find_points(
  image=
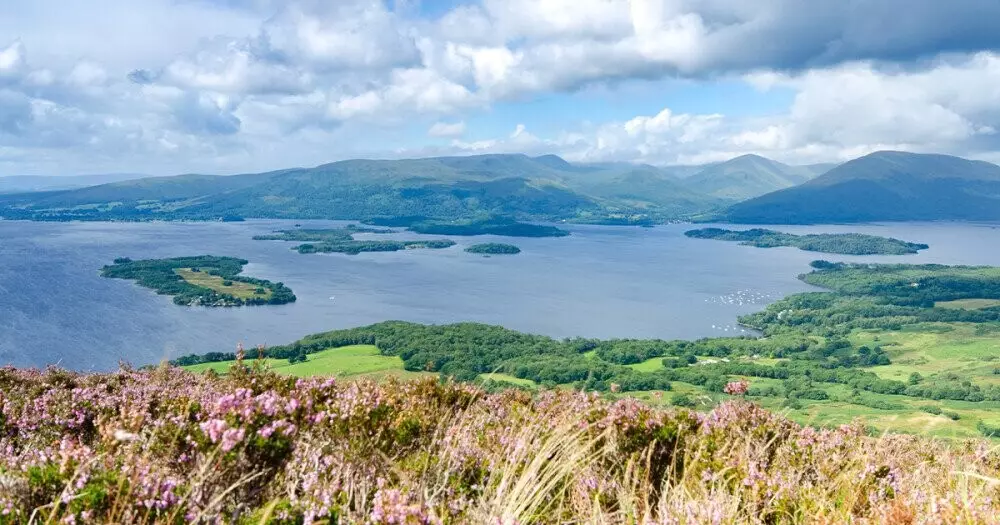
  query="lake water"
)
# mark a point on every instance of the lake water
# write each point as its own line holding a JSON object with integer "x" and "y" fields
{"x": 599, "y": 282}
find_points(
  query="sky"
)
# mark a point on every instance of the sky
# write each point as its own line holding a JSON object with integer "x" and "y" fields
{"x": 235, "y": 86}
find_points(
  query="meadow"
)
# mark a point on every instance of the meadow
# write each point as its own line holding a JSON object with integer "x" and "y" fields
{"x": 346, "y": 361}
{"x": 221, "y": 285}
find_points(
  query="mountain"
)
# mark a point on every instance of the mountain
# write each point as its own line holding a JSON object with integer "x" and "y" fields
{"x": 32, "y": 183}
{"x": 519, "y": 186}
{"x": 883, "y": 186}
{"x": 748, "y": 176}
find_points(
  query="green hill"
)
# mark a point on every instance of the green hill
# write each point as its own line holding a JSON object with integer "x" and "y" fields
{"x": 884, "y": 186}
{"x": 747, "y": 177}
{"x": 518, "y": 186}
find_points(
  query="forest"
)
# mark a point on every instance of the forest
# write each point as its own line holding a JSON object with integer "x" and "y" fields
{"x": 356, "y": 247}
{"x": 320, "y": 234}
{"x": 839, "y": 243}
{"x": 203, "y": 280}
{"x": 820, "y": 347}
{"x": 341, "y": 240}
{"x": 493, "y": 248}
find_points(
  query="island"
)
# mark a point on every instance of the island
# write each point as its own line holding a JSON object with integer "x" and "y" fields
{"x": 493, "y": 248}
{"x": 839, "y": 243}
{"x": 341, "y": 240}
{"x": 500, "y": 226}
{"x": 203, "y": 280}
{"x": 356, "y": 247}
{"x": 320, "y": 235}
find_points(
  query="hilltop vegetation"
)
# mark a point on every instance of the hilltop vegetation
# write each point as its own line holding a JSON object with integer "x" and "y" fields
{"x": 864, "y": 347}
{"x": 842, "y": 243}
{"x": 167, "y": 446}
{"x": 883, "y": 186}
{"x": 201, "y": 281}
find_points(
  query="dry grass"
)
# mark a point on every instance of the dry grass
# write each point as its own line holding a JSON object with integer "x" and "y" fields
{"x": 168, "y": 446}
{"x": 237, "y": 289}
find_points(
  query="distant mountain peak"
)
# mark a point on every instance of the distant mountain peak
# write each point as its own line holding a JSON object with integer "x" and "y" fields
{"x": 747, "y": 176}
{"x": 884, "y": 186}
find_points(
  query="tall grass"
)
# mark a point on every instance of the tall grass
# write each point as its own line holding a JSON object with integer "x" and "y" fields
{"x": 168, "y": 446}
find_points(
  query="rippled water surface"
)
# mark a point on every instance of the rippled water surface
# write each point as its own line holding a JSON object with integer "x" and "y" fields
{"x": 598, "y": 282}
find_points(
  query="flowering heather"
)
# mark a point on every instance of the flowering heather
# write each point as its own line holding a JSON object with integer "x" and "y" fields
{"x": 168, "y": 446}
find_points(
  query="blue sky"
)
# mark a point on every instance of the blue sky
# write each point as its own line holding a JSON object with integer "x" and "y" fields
{"x": 225, "y": 86}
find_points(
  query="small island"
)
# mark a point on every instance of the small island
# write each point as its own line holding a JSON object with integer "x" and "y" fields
{"x": 839, "y": 243}
{"x": 493, "y": 248}
{"x": 356, "y": 247}
{"x": 203, "y": 280}
{"x": 341, "y": 240}
{"x": 466, "y": 228}
{"x": 320, "y": 235}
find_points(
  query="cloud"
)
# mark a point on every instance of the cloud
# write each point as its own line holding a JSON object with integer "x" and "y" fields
{"x": 444, "y": 129}
{"x": 837, "y": 114}
{"x": 235, "y": 85}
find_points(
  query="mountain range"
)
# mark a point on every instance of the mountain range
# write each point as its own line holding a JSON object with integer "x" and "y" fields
{"x": 748, "y": 189}
{"x": 883, "y": 186}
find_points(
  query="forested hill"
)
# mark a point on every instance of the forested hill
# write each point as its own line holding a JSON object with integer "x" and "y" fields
{"x": 545, "y": 188}
{"x": 749, "y": 176}
{"x": 883, "y": 186}
{"x": 517, "y": 186}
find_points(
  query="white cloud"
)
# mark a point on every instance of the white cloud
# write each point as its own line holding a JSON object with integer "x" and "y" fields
{"x": 445, "y": 129}
{"x": 254, "y": 84}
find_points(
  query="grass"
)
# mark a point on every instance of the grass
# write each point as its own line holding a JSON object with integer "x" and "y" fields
{"x": 347, "y": 361}
{"x": 937, "y": 349}
{"x": 649, "y": 365}
{"x": 506, "y": 378}
{"x": 237, "y": 289}
{"x": 167, "y": 446}
{"x": 968, "y": 304}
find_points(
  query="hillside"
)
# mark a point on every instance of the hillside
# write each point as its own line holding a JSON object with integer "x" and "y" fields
{"x": 883, "y": 186}
{"x": 748, "y": 176}
{"x": 32, "y": 183}
{"x": 518, "y": 186}
{"x": 168, "y": 446}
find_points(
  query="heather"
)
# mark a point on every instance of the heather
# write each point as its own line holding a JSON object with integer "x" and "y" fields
{"x": 168, "y": 446}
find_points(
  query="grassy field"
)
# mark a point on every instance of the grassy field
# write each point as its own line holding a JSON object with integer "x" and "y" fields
{"x": 214, "y": 282}
{"x": 968, "y": 304}
{"x": 347, "y": 361}
{"x": 936, "y": 351}
{"x": 933, "y": 350}
{"x": 505, "y": 378}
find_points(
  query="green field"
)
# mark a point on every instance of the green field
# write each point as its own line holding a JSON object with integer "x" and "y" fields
{"x": 968, "y": 304}
{"x": 505, "y": 378}
{"x": 935, "y": 350}
{"x": 347, "y": 361}
{"x": 214, "y": 282}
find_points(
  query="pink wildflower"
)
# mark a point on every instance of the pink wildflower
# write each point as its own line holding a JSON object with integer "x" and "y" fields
{"x": 737, "y": 388}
